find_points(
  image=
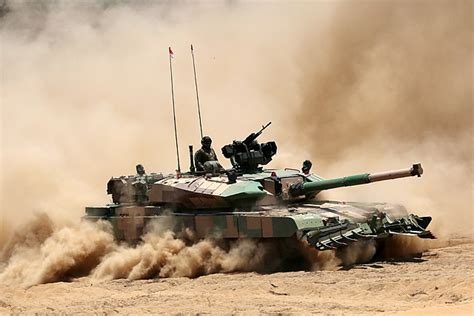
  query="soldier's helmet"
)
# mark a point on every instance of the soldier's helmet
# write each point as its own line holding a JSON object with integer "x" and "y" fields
{"x": 206, "y": 141}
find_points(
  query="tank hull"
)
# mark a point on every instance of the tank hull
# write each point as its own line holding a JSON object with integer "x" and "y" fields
{"x": 323, "y": 224}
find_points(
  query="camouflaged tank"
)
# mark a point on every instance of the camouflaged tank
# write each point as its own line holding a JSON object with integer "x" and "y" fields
{"x": 249, "y": 201}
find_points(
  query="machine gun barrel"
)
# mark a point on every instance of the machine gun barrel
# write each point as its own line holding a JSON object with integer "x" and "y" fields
{"x": 298, "y": 189}
{"x": 254, "y": 136}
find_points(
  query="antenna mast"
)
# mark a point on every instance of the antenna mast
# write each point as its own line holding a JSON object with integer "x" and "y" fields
{"x": 171, "y": 55}
{"x": 197, "y": 93}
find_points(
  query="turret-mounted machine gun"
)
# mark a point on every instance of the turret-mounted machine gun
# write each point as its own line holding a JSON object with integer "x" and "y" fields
{"x": 246, "y": 156}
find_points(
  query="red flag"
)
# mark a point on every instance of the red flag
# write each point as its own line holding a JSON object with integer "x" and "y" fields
{"x": 170, "y": 52}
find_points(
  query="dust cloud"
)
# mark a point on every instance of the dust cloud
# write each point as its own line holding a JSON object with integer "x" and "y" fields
{"x": 85, "y": 95}
{"x": 166, "y": 255}
{"x": 48, "y": 253}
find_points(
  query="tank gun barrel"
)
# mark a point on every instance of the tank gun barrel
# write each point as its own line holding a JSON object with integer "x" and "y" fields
{"x": 298, "y": 189}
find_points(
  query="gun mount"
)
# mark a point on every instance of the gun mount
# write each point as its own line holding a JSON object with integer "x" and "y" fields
{"x": 246, "y": 156}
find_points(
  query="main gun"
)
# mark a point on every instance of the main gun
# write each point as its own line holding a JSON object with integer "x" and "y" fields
{"x": 305, "y": 188}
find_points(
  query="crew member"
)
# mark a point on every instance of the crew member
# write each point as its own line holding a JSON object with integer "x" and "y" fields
{"x": 206, "y": 153}
{"x": 306, "y": 167}
{"x": 140, "y": 170}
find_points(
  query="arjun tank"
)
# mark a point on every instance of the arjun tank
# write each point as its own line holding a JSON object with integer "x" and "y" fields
{"x": 249, "y": 201}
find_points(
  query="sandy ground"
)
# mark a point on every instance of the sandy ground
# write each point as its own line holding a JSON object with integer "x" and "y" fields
{"x": 438, "y": 283}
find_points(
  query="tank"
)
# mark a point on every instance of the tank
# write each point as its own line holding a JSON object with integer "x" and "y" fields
{"x": 250, "y": 201}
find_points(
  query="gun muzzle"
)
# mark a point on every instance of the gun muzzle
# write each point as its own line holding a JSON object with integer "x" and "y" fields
{"x": 415, "y": 170}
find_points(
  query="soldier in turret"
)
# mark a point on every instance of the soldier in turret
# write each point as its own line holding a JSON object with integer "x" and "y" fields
{"x": 140, "y": 170}
{"x": 206, "y": 153}
{"x": 140, "y": 184}
{"x": 306, "y": 167}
